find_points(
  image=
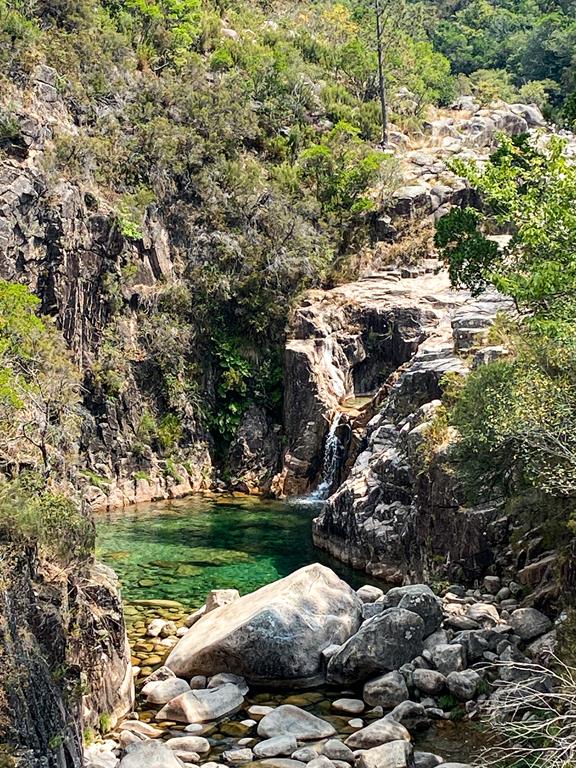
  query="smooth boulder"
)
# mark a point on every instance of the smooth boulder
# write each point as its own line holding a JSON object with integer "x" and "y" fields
{"x": 288, "y": 720}
{"x": 202, "y": 706}
{"x": 379, "y": 732}
{"x": 150, "y": 754}
{"x": 386, "y": 691}
{"x": 383, "y": 643}
{"x": 396, "y": 754}
{"x": 275, "y": 635}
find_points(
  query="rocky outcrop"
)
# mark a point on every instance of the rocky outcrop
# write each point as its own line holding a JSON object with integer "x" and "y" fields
{"x": 275, "y": 635}
{"x": 399, "y": 513}
{"x": 255, "y": 453}
{"x": 346, "y": 342}
{"x": 64, "y": 655}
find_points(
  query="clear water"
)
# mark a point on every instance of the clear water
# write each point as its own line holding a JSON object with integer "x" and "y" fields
{"x": 180, "y": 550}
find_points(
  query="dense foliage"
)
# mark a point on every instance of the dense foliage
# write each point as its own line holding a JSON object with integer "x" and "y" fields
{"x": 510, "y": 48}
{"x": 516, "y": 416}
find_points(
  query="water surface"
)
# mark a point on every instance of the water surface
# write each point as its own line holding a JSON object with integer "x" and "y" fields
{"x": 180, "y": 550}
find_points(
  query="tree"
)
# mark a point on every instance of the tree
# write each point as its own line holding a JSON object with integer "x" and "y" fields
{"x": 39, "y": 388}
{"x": 531, "y": 193}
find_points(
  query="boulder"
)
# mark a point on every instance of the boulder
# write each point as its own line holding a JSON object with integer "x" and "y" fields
{"x": 529, "y": 623}
{"x": 464, "y": 684}
{"x": 396, "y": 754}
{"x": 369, "y": 594}
{"x": 427, "y": 606}
{"x": 334, "y": 749}
{"x": 197, "y": 744}
{"x": 150, "y": 754}
{"x": 218, "y": 598}
{"x": 393, "y": 597}
{"x": 349, "y": 706}
{"x": 449, "y": 658}
{"x": 202, "y": 706}
{"x": 278, "y": 745}
{"x": 386, "y": 691}
{"x": 382, "y": 643}
{"x": 429, "y": 681}
{"x": 275, "y": 635}
{"x": 379, "y": 732}
{"x": 288, "y": 720}
{"x": 163, "y": 691}
{"x": 237, "y": 756}
{"x": 426, "y": 760}
{"x": 227, "y": 677}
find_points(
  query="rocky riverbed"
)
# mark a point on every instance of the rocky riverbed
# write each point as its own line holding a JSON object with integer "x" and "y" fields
{"x": 229, "y": 685}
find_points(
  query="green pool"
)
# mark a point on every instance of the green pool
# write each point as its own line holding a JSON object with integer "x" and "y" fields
{"x": 179, "y": 550}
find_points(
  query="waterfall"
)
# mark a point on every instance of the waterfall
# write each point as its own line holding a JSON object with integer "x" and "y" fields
{"x": 333, "y": 453}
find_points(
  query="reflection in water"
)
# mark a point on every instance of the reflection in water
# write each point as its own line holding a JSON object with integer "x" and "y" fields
{"x": 180, "y": 550}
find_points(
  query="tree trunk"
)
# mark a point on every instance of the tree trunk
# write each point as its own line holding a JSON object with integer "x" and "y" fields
{"x": 381, "y": 78}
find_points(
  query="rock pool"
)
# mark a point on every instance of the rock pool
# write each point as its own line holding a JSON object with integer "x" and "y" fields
{"x": 179, "y": 550}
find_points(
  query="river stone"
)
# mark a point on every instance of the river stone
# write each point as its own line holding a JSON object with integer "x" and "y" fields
{"x": 464, "y": 684}
{"x": 393, "y": 597}
{"x": 189, "y": 744}
{"x": 150, "y": 754}
{"x": 386, "y": 691}
{"x": 274, "y": 635}
{"x": 227, "y": 677}
{"x": 144, "y": 729}
{"x": 428, "y": 681}
{"x": 528, "y": 623}
{"x": 163, "y": 691}
{"x": 203, "y": 705}
{"x": 162, "y": 673}
{"x": 278, "y": 745}
{"x": 427, "y": 606}
{"x": 449, "y": 658}
{"x": 369, "y": 594}
{"x": 426, "y": 760}
{"x": 334, "y": 749}
{"x": 293, "y": 721}
{"x": 304, "y": 754}
{"x": 395, "y": 754}
{"x": 279, "y": 762}
{"x": 382, "y": 643}
{"x": 321, "y": 761}
{"x": 379, "y": 732}
{"x": 237, "y": 756}
{"x": 349, "y": 706}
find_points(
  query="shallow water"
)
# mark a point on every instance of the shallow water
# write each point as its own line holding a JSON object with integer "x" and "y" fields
{"x": 180, "y": 550}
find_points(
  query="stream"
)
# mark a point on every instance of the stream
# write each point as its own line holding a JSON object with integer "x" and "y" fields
{"x": 169, "y": 555}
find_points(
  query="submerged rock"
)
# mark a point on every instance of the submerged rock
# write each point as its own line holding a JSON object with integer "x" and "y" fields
{"x": 275, "y": 635}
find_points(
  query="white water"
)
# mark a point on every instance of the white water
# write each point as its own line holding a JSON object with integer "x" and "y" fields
{"x": 331, "y": 464}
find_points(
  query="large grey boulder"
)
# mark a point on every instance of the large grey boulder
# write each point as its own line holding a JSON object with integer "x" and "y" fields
{"x": 379, "y": 732}
{"x": 382, "y": 643}
{"x": 429, "y": 681}
{"x": 202, "y": 706}
{"x": 393, "y": 597}
{"x": 449, "y": 658}
{"x": 528, "y": 623}
{"x": 396, "y": 754}
{"x": 427, "y": 606}
{"x": 464, "y": 684}
{"x": 150, "y": 754}
{"x": 386, "y": 691}
{"x": 275, "y": 635}
{"x": 288, "y": 720}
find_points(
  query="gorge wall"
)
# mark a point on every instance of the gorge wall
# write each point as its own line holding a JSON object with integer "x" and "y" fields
{"x": 65, "y": 658}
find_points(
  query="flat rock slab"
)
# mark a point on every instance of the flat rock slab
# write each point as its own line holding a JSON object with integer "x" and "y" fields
{"x": 349, "y": 706}
{"x": 288, "y": 720}
{"x": 275, "y": 635}
{"x": 203, "y": 706}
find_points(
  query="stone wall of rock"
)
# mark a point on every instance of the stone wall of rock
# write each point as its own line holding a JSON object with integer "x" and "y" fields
{"x": 64, "y": 242}
{"x": 64, "y": 655}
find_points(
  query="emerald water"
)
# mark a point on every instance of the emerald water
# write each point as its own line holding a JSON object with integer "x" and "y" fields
{"x": 180, "y": 550}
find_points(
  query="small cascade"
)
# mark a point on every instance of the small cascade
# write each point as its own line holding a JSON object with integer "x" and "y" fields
{"x": 333, "y": 455}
